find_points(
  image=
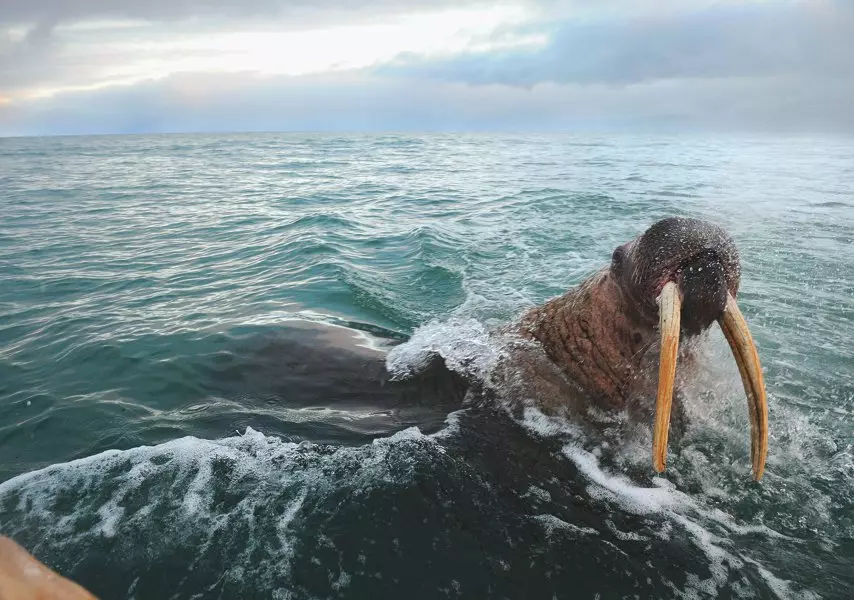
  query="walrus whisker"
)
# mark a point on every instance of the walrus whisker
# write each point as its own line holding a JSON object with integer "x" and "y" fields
{"x": 746, "y": 357}
{"x": 669, "y": 310}
{"x": 645, "y": 347}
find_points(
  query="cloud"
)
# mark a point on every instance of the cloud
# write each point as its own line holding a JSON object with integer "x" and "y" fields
{"x": 56, "y": 11}
{"x": 360, "y": 101}
{"x": 50, "y": 45}
{"x": 771, "y": 39}
{"x": 605, "y": 65}
{"x": 46, "y": 58}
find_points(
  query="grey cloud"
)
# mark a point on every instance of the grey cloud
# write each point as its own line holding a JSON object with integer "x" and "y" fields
{"x": 730, "y": 40}
{"x": 42, "y": 58}
{"x": 361, "y": 102}
{"x": 48, "y": 54}
{"x": 28, "y": 59}
{"x": 773, "y": 66}
{"x": 30, "y": 11}
{"x": 53, "y": 11}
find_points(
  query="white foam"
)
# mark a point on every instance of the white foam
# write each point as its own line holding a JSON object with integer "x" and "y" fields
{"x": 721, "y": 561}
{"x": 664, "y": 499}
{"x": 538, "y": 493}
{"x": 552, "y": 525}
{"x": 620, "y": 489}
{"x": 464, "y": 344}
{"x": 536, "y": 421}
{"x": 181, "y": 480}
{"x": 625, "y": 535}
{"x": 341, "y": 582}
{"x": 410, "y": 433}
{"x": 603, "y": 484}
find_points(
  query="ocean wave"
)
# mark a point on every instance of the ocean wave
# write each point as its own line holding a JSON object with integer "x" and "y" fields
{"x": 232, "y": 505}
{"x": 148, "y": 283}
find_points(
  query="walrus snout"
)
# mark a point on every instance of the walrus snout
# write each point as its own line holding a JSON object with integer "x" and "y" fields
{"x": 702, "y": 283}
{"x": 699, "y": 256}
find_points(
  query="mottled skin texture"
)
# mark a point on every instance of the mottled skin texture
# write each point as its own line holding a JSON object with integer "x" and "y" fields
{"x": 597, "y": 345}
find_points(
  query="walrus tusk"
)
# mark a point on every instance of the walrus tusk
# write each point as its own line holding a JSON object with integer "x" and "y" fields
{"x": 669, "y": 310}
{"x": 747, "y": 358}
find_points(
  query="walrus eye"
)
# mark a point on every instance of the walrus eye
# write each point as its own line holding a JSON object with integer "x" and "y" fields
{"x": 618, "y": 256}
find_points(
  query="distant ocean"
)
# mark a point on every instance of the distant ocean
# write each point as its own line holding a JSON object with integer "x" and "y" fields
{"x": 194, "y": 400}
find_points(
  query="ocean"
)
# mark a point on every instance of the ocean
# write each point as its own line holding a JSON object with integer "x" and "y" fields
{"x": 219, "y": 374}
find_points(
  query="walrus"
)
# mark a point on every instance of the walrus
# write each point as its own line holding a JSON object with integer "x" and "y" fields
{"x": 594, "y": 346}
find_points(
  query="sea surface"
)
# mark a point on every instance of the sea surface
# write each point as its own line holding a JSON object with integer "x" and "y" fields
{"x": 231, "y": 366}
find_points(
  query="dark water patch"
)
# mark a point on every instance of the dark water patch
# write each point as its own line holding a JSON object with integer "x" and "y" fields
{"x": 251, "y": 377}
{"x": 402, "y": 142}
{"x": 398, "y": 169}
{"x": 833, "y": 204}
{"x": 299, "y": 165}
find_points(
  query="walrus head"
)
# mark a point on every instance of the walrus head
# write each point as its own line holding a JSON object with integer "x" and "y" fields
{"x": 679, "y": 278}
{"x": 699, "y": 257}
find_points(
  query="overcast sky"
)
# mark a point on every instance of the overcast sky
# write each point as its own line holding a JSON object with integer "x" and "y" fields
{"x": 118, "y": 66}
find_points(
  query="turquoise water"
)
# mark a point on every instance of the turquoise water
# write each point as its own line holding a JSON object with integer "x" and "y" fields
{"x": 149, "y": 284}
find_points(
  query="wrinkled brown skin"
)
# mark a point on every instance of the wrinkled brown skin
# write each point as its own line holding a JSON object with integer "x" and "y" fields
{"x": 597, "y": 345}
{"x": 599, "y": 349}
{"x": 22, "y": 577}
